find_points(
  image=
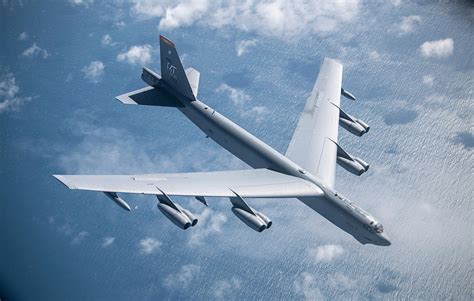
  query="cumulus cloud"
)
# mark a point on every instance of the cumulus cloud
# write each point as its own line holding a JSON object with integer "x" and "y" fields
{"x": 306, "y": 286}
{"x": 35, "y": 51}
{"x": 240, "y": 100}
{"x": 428, "y": 80}
{"x": 437, "y": 49}
{"x": 84, "y": 3}
{"x": 374, "y": 55}
{"x": 257, "y": 113}
{"x": 183, "y": 14}
{"x": 10, "y": 100}
{"x": 139, "y": 54}
{"x": 149, "y": 245}
{"x": 210, "y": 222}
{"x": 23, "y": 36}
{"x": 183, "y": 277}
{"x": 107, "y": 241}
{"x": 225, "y": 289}
{"x": 244, "y": 45}
{"x": 79, "y": 237}
{"x": 408, "y": 23}
{"x": 237, "y": 96}
{"x": 326, "y": 253}
{"x": 277, "y": 17}
{"x": 94, "y": 71}
{"x": 106, "y": 40}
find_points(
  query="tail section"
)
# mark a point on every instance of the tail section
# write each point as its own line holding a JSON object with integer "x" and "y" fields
{"x": 172, "y": 71}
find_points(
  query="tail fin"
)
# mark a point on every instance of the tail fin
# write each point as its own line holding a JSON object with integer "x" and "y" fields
{"x": 172, "y": 71}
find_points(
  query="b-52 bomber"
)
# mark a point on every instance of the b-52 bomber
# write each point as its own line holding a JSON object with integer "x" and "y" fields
{"x": 306, "y": 172}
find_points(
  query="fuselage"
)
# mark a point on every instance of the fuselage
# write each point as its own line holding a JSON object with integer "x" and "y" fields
{"x": 254, "y": 152}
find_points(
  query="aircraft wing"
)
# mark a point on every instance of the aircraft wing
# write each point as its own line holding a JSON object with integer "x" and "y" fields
{"x": 258, "y": 183}
{"x": 313, "y": 145}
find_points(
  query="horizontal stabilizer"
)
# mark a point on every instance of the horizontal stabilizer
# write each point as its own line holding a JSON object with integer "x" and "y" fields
{"x": 149, "y": 96}
{"x": 193, "y": 79}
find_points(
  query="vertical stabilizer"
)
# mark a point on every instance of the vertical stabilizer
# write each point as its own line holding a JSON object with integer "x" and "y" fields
{"x": 172, "y": 71}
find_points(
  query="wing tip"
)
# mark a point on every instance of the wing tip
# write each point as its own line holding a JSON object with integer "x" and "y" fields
{"x": 64, "y": 181}
{"x": 125, "y": 99}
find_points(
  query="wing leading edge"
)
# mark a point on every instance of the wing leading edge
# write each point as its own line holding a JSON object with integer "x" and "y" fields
{"x": 312, "y": 145}
{"x": 257, "y": 183}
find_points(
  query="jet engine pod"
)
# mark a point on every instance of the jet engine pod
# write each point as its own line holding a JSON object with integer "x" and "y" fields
{"x": 353, "y": 127}
{"x": 178, "y": 218}
{"x": 364, "y": 125}
{"x": 190, "y": 216}
{"x": 265, "y": 219}
{"x": 364, "y": 164}
{"x": 251, "y": 220}
{"x": 351, "y": 166}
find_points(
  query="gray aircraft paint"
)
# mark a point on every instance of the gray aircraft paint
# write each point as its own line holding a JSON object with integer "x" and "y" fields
{"x": 174, "y": 89}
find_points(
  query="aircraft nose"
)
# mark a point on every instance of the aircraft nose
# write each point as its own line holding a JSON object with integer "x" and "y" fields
{"x": 383, "y": 240}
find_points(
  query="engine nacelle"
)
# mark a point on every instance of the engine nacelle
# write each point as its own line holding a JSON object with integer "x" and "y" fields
{"x": 353, "y": 127}
{"x": 351, "y": 166}
{"x": 265, "y": 219}
{"x": 150, "y": 77}
{"x": 364, "y": 164}
{"x": 251, "y": 220}
{"x": 191, "y": 217}
{"x": 184, "y": 219}
{"x": 364, "y": 125}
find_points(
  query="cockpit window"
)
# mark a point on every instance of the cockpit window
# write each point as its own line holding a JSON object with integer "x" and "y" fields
{"x": 378, "y": 228}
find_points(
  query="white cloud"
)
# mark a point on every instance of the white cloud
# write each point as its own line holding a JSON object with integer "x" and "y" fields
{"x": 428, "y": 80}
{"x": 84, "y": 3}
{"x": 437, "y": 49}
{"x": 183, "y": 14}
{"x": 35, "y": 51}
{"x": 23, "y": 36}
{"x": 244, "y": 45}
{"x": 257, "y": 113}
{"x": 374, "y": 55}
{"x": 149, "y": 245}
{"x": 80, "y": 237}
{"x": 183, "y": 277}
{"x": 10, "y": 100}
{"x": 225, "y": 289}
{"x": 106, "y": 40}
{"x": 276, "y": 18}
{"x": 408, "y": 23}
{"x": 210, "y": 222}
{"x": 94, "y": 71}
{"x": 139, "y": 54}
{"x": 396, "y": 2}
{"x": 238, "y": 97}
{"x": 306, "y": 286}
{"x": 326, "y": 253}
{"x": 107, "y": 241}
{"x": 340, "y": 281}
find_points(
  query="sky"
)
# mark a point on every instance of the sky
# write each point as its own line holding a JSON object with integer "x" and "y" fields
{"x": 409, "y": 63}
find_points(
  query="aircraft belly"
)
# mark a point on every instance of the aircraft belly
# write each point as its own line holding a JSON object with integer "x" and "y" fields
{"x": 339, "y": 216}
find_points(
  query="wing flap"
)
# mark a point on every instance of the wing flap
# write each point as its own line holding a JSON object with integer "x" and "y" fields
{"x": 256, "y": 183}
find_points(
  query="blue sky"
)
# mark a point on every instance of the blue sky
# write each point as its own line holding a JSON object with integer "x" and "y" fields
{"x": 410, "y": 64}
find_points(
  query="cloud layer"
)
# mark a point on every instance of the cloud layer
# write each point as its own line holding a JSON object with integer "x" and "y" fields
{"x": 275, "y": 18}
